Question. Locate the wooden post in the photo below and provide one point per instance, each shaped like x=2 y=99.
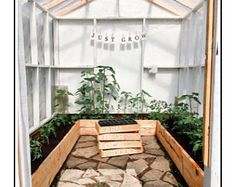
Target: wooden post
x=210 y=53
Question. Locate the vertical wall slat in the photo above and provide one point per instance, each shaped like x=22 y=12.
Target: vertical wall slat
x=46 y=41
x=36 y=111
x=33 y=34
x=21 y=98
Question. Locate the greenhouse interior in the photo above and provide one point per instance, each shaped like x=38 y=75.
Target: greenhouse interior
x=118 y=93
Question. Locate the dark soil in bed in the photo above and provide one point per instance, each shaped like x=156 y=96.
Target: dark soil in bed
x=47 y=148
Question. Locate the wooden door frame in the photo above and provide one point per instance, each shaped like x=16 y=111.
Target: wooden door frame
x=209 y=74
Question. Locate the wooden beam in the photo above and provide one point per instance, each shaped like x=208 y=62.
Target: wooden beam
x=186 y=3
x=53 y=4
x=210 y=53
x=169 y=8
x=71 y=7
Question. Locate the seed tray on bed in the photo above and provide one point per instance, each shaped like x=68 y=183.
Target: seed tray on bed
x=113 y=122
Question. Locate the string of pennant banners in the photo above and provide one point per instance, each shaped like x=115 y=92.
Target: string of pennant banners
x=112 y=39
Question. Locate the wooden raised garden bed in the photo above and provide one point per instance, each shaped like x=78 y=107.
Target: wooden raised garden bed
x=189 y=169
x=192 y=173
x=48 y=169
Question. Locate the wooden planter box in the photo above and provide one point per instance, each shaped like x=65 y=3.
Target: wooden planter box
x=48 y=169
x=192 y=173
x=189 y=169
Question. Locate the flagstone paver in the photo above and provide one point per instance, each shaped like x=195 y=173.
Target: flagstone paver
x=161 y=164
x=87 y=165
x=120 y=161
x=74 y=161
x=86 y=152
x=139 y=165
x=85 y=168
x=169 y=177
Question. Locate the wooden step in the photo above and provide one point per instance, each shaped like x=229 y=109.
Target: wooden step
x=117 y=128
x=119 y=136
x=119 y=144
x=118 y=152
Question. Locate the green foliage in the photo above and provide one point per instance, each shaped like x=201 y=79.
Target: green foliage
x=139 y=103
x=47 y=131
x=159 y=110
x=186 y=101
x=97 y=90
x=180 y=118
x=59 y=120
x=61 y=100
x=185 y=121
x=35 y=149
x=124 y=102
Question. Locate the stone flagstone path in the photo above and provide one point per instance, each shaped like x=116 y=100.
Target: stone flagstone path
x=85 y=168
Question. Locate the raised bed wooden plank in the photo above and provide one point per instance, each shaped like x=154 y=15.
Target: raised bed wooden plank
x=117 y=152
x=46 y=172
x=119 y=144
x=88 y=131
x=119 y=136
x=192 y=173
x=147 y=124
x=147 y=132
x=87 y=123
x=117 y=128
x=171 y=146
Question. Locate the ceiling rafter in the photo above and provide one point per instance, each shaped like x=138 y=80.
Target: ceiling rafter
x=168 y=7
x=71 y=7
x=186 y=3
x=53 y=4
x=161 y=3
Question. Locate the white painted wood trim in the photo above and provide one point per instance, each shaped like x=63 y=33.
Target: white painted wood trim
x=48 y=94
x=121 y=18
x=142 y=55
x=44 y=10
x=95 y=43
x=21 y=121
x=47 y=55
x=56 y=42
x=36 y=111
x=33 y=35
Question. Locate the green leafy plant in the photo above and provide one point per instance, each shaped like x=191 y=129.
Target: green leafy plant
x=47 y=131
x=159 y=110
x=61 y=100
x=187 y=100
x=59 y=120
x=185 y=121
x=97 y=90
x=35 y=149
x=139 y=102
x=124 y=102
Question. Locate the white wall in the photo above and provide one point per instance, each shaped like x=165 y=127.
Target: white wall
x=161 y=48
x=169 y=43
